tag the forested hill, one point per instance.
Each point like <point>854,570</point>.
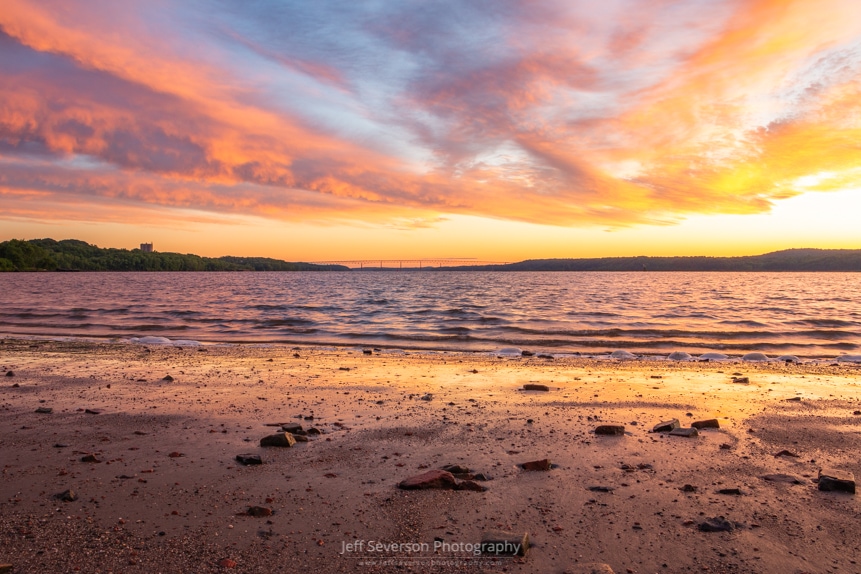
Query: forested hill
<point>788,260</point>
<point>75,255</point>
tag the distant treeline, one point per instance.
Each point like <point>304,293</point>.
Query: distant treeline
<point>787,260</point>
<point>75,255</point>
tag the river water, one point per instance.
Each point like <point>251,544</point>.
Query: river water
<point>806,314</point>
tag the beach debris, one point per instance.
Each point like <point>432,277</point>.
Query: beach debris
<point>470,485</point>
<point>716,524</point>
<point>688,488</point>
<point>609,489</point>
<point>612,430</point>
<point>279,439</point>
<point>836,480</point>
<point>535,387</point>
<point>590,568</point>
<point>441,479</point>
<point>93,411</point>
<point>10,373</point>
<point>786,453</point>
<point>679,356</point>
<point>44,410</point>
<point>167,378</point>
<point>249,459</point>
<point>712,357</point>
<point>706,424</point>
<point>257,511</point>
<point>684,432</point>
<point>67,496</point>
<point>504,543</point>
<point>784,478</point>
<point>90,458</point>
<point>666,426</point>
<point>741,380</point>
<point>536,465</point>
<point>730,491</point>
<point>622,355</point>
<point>755,357</point>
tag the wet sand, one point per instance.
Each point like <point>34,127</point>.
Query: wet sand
<point>167,494</point>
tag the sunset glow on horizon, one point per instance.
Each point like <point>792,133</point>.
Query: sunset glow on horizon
<point>501,130</point>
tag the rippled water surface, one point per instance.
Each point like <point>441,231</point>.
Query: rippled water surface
<point>809,314</point>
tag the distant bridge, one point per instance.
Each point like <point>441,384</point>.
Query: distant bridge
<point>409,263</point>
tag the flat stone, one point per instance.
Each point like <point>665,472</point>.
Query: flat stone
<point>504,543</point>
<point>730,491</point>
<point>613,430</point>
<point>706,424</point>
<point>470,485</point>
<point>535,387</point>
<point>431,479</point>
<point>258,511</point>
<point>300,438</point>
<point>836,480</point>
<point>456,469</point>
<point>666,426</point>
<point>93,411</point>
<point>786,453</point>
<point>717,524</point>
<point>543,464</point>
<point>685,432</point>
<point>784,478</point>
<point>44,410</point>
<point>249,459</point>
<point>278,439</point>
<point>68,496</point>
<point>292,428</point>
<point>591,568</point>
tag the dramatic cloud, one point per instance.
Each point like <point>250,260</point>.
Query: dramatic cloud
<point>552,112</point>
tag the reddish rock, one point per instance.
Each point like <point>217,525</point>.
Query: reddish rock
<point>279,439</point>
<point>535,387</point>
<point>227,563</point>
<point>614,430</point>
<point>666,426</point>
<point>543,464</point>
<point>470,485</point>
<point>430,479</point>
<point>836,480</point>
<point>258,511</point>
<point>706,424</point>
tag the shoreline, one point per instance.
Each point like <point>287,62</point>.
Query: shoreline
<point>140,509</point>
<point>732,355</point>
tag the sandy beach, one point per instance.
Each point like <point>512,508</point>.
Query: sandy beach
<point>163,490</point>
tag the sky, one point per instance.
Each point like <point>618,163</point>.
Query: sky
<point>501,129</point>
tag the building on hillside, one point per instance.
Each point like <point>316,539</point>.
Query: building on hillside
<point>146,247</point>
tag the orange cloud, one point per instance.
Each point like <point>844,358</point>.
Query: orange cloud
<point>675,109</point>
